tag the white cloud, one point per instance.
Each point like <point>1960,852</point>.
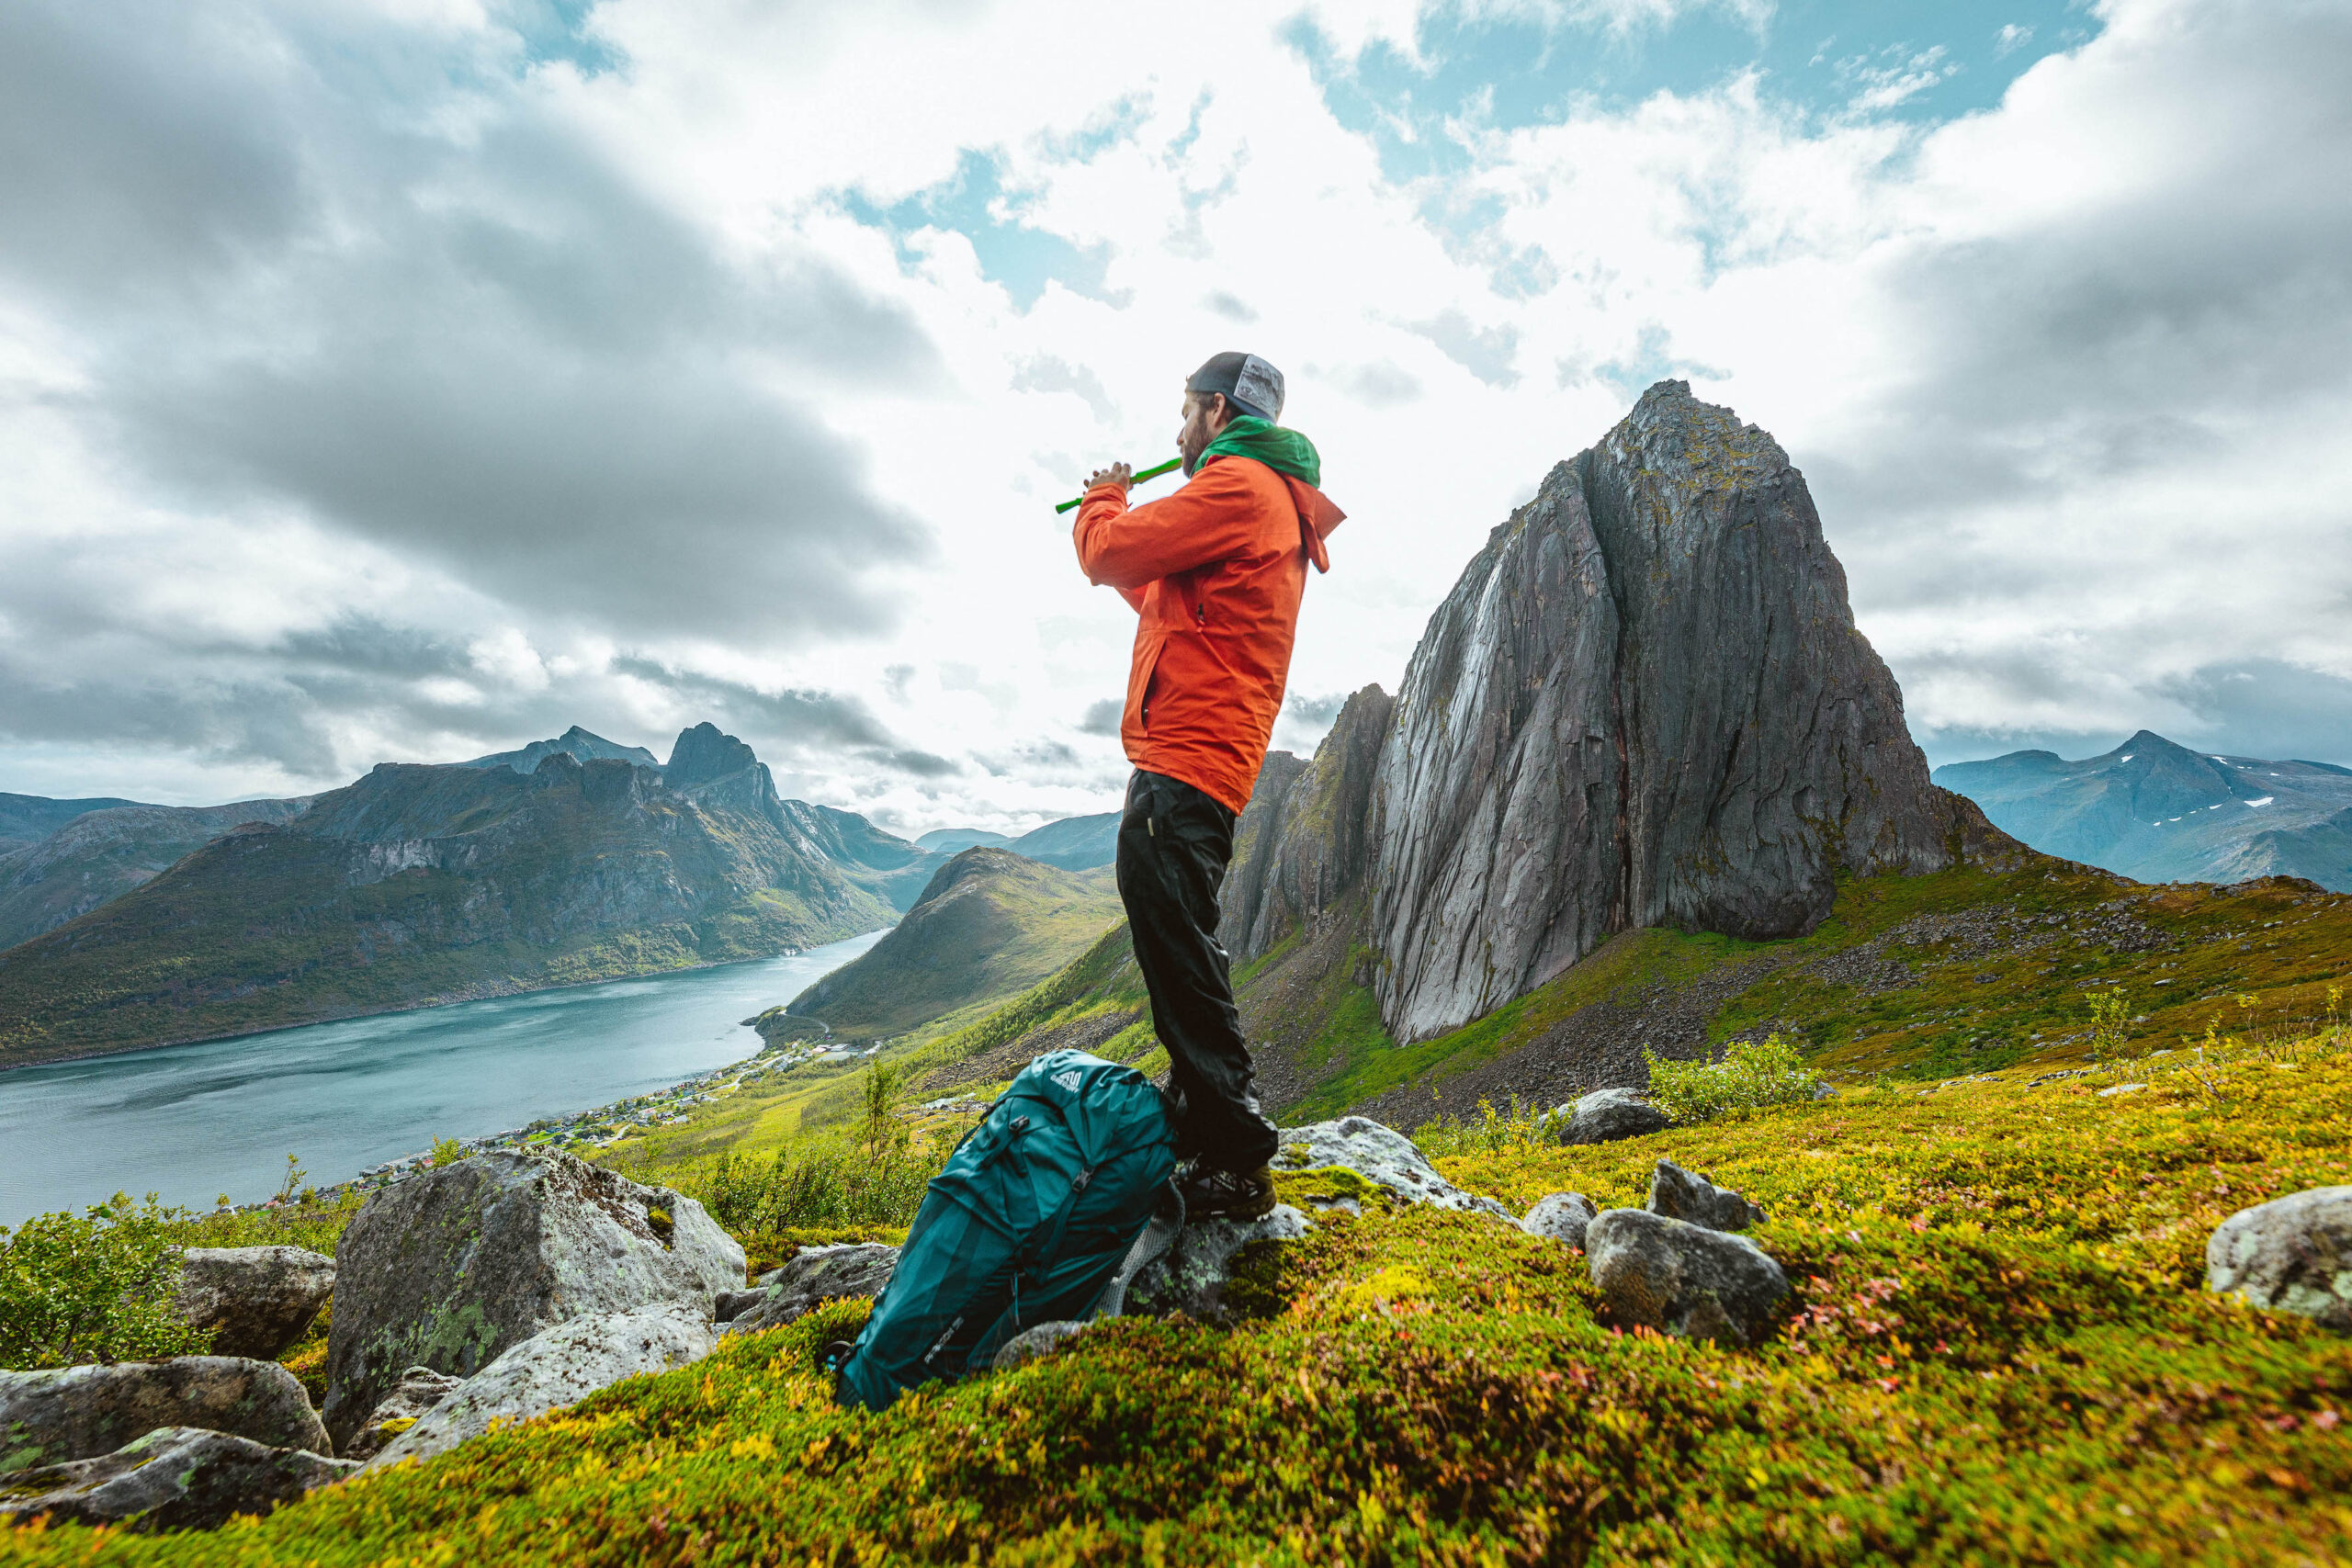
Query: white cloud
<point>2068,376</point>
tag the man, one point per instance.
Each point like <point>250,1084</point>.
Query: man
<point>1217,571</point>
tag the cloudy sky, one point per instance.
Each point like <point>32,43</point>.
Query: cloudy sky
<point>413,379</point>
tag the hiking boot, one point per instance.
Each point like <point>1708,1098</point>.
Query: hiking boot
<point>1214,1193</point>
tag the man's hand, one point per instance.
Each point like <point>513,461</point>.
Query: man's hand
<point>1118,474</point>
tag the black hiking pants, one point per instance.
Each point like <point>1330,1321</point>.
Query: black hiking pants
<point>1174,843</point>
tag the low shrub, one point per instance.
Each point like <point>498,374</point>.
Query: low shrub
<point>93,1287</point>
<point>1519,1126</point>
<point>1753,1074</point>
<point>817,1184</point>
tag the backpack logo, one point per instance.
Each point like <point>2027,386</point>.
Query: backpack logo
<point>1069,1079</point>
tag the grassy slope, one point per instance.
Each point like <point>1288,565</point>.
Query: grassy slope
<point>990,925</point>
<point>1999,1351</point>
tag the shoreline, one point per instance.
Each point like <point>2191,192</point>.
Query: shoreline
<point>484,995</point>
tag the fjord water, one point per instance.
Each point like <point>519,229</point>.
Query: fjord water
<point>192,1122</point>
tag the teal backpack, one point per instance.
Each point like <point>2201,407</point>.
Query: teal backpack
<point>1037,1208</point>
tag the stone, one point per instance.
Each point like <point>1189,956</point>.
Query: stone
<point>74,1413</point>
<point>1562,1216</point>
<point>814,1276</point>
<point>1608,1114</point>
<point>452,1267</point>
<point>1191,1276</point>
<point>172,1478</point>
<point>2292,1254</point>
<point>732,1304</point>
<point>563,1365</point>
<point>1157,1239</point>
<point>1032,1343</point>
<point>1643,703</point>
<point>257,1301</point>
<point>419,1390</point>
<point>1383,1157</point>
<point>1681,1194</point>
<point>1682,1279</point>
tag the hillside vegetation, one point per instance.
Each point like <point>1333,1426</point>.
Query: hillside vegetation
<point>1914,977</point>
<point>1998,1350</point>
<point>989,924</point>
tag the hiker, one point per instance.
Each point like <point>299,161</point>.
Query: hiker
<point>1215,571</point>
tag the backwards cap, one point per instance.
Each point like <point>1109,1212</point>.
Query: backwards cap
<point>1249,383</point>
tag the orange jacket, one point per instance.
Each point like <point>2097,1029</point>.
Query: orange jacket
<point>1217,571</point>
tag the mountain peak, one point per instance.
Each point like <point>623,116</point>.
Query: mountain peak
<point>579,745</point>
<point>704,754</point>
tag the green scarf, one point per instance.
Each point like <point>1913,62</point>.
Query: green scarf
<point>1284,451</point>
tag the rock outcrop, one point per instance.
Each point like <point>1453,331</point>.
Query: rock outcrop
<point>1608,1114</point>
<point>1383,1157</point>
<point>169,1479</point>
<point>1191,1277</point>
<point>257,1301</point>
<point>560,1366</point>
<point>451,1269</point>
<point>1031,1344</point>
<point>1563,1217</point>
<point>1681,1194</point>
<point>76,1413</point>
<point>419,1390</point>
<point>2292,1254</point>
<point>1643,703</point>
<point>1684,1280</point>
<point>816,1275</point>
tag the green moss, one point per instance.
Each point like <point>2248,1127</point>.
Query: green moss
<point>1998,1351</point>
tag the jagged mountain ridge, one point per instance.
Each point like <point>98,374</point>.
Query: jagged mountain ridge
<point>423,883</point>
<point>579,745</point>
<point>2158,812</point>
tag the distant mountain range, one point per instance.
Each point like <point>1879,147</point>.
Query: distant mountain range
<point>2159,812</point>
<point>1074,843</point>
<point>99,854</point>
<point>124,924</point>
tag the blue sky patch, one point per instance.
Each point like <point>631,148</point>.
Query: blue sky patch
<point>1923,61</point>
<point>974,202</point>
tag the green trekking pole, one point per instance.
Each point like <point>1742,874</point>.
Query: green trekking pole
<point>1147,474</point>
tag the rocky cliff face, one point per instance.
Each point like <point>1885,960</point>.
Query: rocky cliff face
<point>1306,839</point>
<point>1645,702</point>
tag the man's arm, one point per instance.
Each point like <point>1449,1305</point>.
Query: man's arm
<point>1208,520</point>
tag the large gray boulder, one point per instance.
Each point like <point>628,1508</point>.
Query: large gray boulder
<point>1645,702</point>
<point>1563,1217</point>
<point>451,1269</point>
<point>1681,1194</point>
<point>419,1390</point>
<point>75,1413</point>
<point>1383,1157</point>
<point>1192,1275</point>
<point>2292,1254</point>
<point>814,1276</point>
<point>257,1301</point>
<point>172,1478</point>
<point>560,1366</point>
<point>1608,1114</point>
<point>1682,1279</point>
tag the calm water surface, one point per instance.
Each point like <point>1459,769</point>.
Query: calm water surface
<point>192,1122</point>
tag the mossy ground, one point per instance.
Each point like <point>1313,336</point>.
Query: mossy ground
<point>1998,1352</point>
